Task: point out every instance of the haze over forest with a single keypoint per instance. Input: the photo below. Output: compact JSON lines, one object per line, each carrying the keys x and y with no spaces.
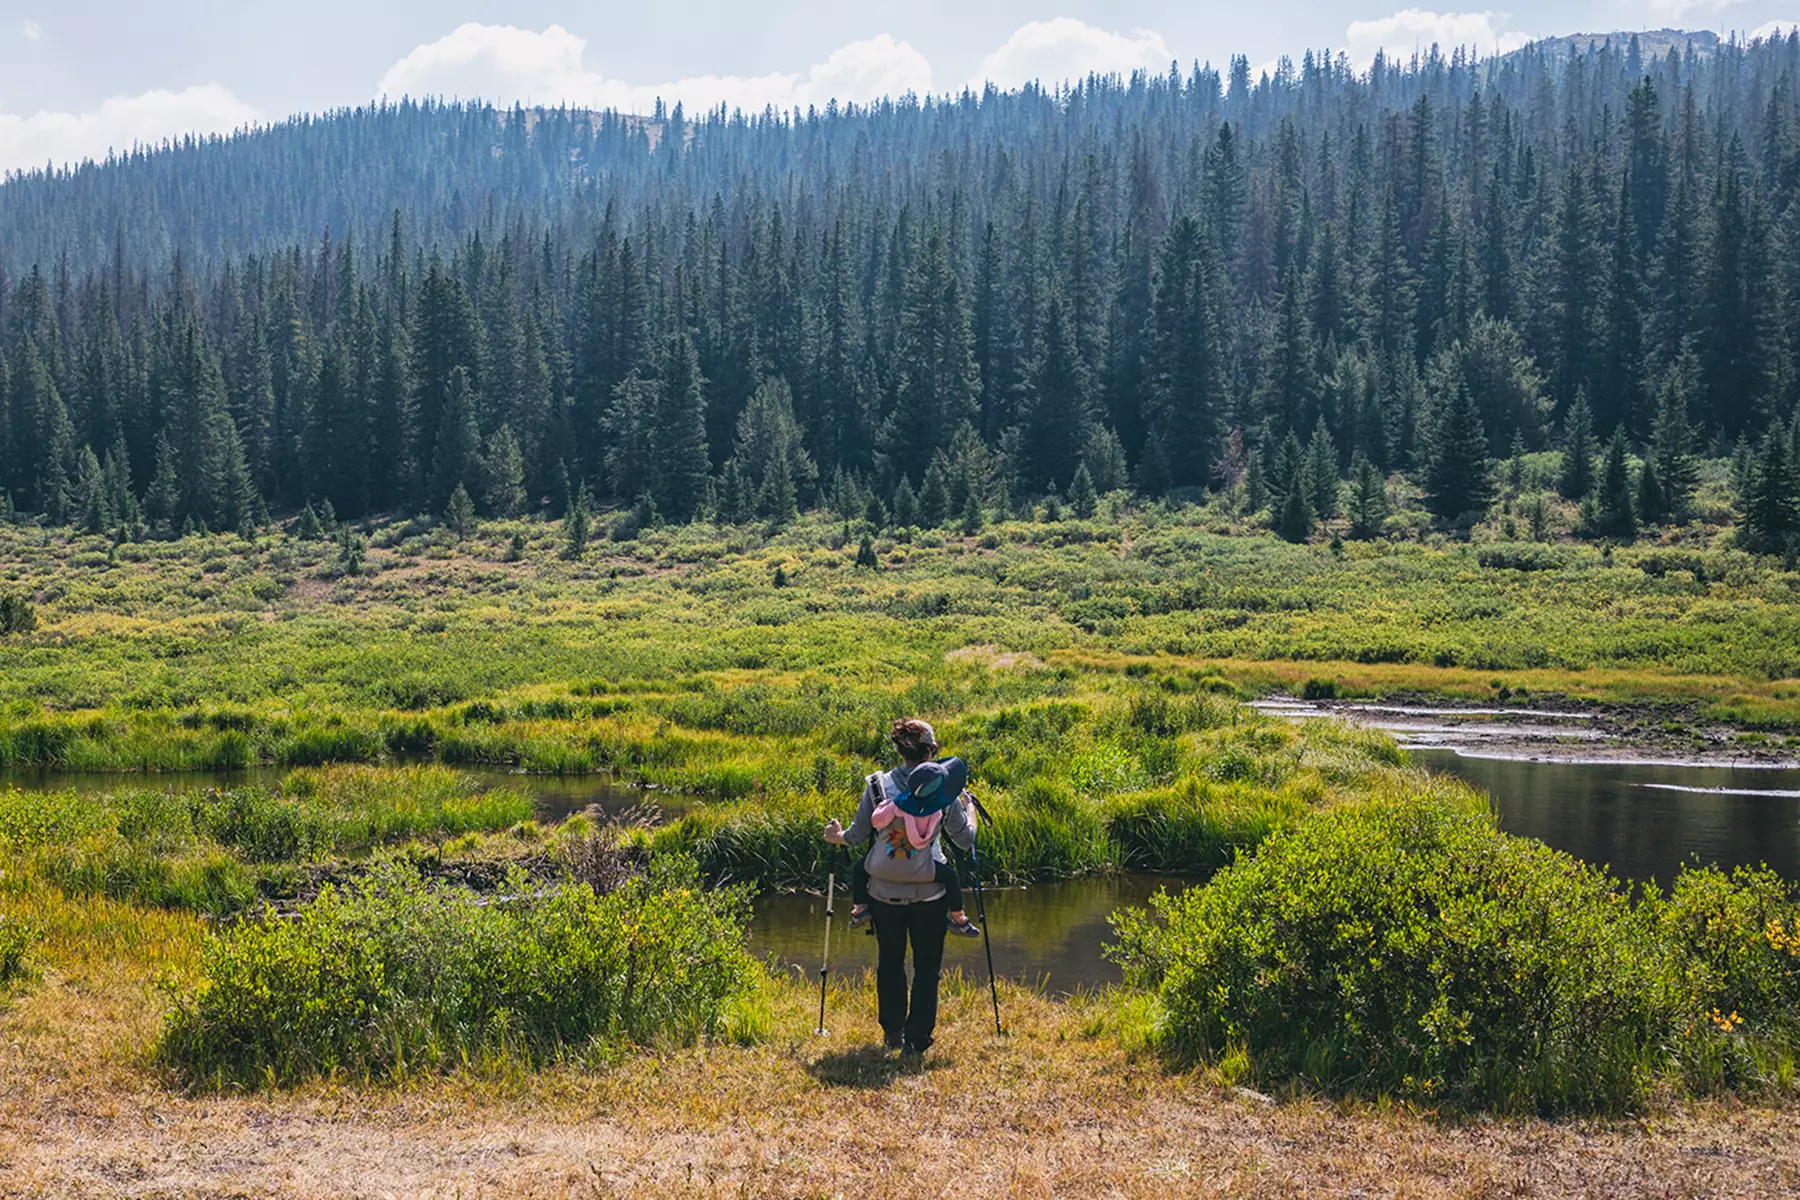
{"x":1166,"y":282}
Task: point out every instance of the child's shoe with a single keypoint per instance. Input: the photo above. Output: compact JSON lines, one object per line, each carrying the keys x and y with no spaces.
{"x":962,"y":926}
{"x":860,"y":916}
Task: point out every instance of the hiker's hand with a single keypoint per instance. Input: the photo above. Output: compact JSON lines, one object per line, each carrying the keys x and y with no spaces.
{"x":834,"y":832}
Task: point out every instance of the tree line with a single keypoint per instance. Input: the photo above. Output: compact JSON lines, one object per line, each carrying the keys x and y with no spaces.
{"x":931,"y":309}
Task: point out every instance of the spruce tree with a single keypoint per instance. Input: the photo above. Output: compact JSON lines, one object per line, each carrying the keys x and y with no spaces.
{"x":906,"y":505}
{"x":865,"y":554}
{"x":576,"y":524}
{"x":459,"y":513}
{"x":971,"y":516}
{"x":1322,"y":473}
{"x":1652,"y":502}
{"x":1456,"y":480}
{"x":1576,"y":479}
{"x":1082,"y":497}
{"x":1153,"y":468}
{"x":1369,"y":502}
{"x":934,"y":497}
{"x":1295,"y":520}
{"x":678,"y":463}
{"x":1614,"y":514}
{"x":503,"y":474}
{"x":1772,"y":500}
{"x":458,"y":454}
{"x":1672,"y":444}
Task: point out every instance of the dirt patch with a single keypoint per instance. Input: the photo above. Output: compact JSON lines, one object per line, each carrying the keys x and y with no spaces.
{"x":994,"y":658}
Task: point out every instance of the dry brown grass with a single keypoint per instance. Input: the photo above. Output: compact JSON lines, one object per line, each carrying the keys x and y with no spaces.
{"x":1059,"y":1106}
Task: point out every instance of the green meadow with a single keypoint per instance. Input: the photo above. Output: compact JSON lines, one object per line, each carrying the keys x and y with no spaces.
{"x":374,"y":912}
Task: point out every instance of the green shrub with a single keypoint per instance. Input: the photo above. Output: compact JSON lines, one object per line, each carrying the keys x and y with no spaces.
{"x":16,"y":941}
{"x":1408,"y":948}
{"x":396,"y":974}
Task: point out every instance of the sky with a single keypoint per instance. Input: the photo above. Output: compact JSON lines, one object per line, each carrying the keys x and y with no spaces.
{"x":78,"y":77}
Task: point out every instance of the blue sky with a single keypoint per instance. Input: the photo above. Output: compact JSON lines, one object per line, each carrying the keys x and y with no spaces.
{"x":78,"y":76}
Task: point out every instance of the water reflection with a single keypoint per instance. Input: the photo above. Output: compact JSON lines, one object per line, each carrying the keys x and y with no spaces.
{"x":1049,"y":935}
{"x":1644,"y":821}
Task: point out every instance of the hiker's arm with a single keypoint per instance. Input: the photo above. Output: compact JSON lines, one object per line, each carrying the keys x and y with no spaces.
{"x":860,"y":828}
{"x":959,"y":825}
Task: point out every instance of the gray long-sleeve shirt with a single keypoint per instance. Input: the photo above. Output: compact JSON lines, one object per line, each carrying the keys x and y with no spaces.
{"x":899,"y":873}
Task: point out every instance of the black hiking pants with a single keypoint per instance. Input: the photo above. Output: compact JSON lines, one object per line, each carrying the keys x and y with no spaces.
{"x":922,"y":924}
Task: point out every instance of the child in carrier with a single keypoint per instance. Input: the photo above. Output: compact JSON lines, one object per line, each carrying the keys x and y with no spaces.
{"x":912,"y":818}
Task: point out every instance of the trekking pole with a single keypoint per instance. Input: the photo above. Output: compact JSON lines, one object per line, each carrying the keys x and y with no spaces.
{"x":981,"y":910}
{"x":825,"y":959}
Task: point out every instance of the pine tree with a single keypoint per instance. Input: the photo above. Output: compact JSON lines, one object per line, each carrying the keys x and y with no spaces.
{"x":1295,"y":521}
{"x":934,"y":497}
{"x":1772,"y":500}
{"x":1322,"y":473}
{"x":735,"y":501}
{"x":1105,"y":459}
{"x":1057,"y":420}
{"x":503,"y":474}
{"x":1082,"y":497}
{"x":1456,"y":481}
{"x":678,"y":463}
{"x":971,"y":516}
{"x":1256,"y":486}
{"x":459,"y":513}
{"x":1652,"y":503}
{"x":1614,"y":515}
{"x":458,"y":454}
{"x":307,"y":528}
{"x":1576,"y":479}
{"x":1672,"y":443}
{"x":1369,"y":502}
{"x":865,"y":554}
{"x":1153,"y":468}
{"x":906,"y":505}
{"x":163,"y":503}
{"x":576,"y":524}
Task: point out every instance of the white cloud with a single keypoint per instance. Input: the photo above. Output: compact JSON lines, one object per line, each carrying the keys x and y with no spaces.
{"x":1066,"y":49}
{"x":1413,"y":29}
{"x":1677,"y":9}
{"x":31,"y":29}
{"x":1773,"y":29}
{"x":118,"y":124}
{"x":503,"y":64}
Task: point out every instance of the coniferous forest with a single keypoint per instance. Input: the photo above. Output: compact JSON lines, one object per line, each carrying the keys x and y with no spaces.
{"x":1292,"y":288}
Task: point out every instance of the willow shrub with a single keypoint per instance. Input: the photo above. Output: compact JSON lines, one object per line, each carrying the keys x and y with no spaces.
{"x":396,"y":974}
{"x":1408,"y":947}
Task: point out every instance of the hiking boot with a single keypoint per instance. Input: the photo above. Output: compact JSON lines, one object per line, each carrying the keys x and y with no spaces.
{"x":861,"y":917}
{"x":894,"y":1041}
{"x":964,"y":928}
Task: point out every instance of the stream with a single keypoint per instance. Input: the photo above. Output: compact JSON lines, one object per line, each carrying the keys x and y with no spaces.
{"x":1642,"y":820}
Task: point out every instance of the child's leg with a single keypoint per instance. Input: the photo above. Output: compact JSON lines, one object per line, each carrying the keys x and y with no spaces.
{"x":952,"y":885}
{"x":859,"y":883}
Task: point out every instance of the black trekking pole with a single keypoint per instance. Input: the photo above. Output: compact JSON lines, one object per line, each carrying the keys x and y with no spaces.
{"x":825,"y":959}
{"x":981,"y":909}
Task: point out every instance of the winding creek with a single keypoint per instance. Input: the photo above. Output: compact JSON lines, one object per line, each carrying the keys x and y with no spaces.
{"x":1644,"y":820}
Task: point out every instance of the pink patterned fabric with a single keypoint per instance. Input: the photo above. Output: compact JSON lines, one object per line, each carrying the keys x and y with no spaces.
{"x":919,"y":830}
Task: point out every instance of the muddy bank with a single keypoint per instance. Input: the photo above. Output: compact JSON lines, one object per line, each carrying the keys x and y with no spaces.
{"x":1551,"y":727}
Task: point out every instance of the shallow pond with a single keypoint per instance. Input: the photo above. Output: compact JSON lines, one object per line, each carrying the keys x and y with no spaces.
{"x":1047,"y":935}
{"x":1642,"y":820}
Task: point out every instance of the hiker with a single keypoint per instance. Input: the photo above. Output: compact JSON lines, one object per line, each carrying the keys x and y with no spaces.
{"x":904,"y":811}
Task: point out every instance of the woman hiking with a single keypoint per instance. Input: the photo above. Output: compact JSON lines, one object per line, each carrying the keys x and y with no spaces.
{"x":905,"y":812}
